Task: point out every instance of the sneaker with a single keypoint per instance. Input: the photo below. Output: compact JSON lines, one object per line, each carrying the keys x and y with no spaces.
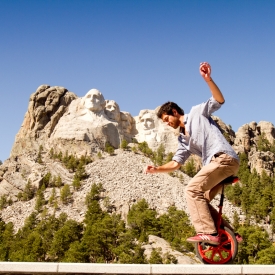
{"x":204,"y":238}
{"x":238,"y":237}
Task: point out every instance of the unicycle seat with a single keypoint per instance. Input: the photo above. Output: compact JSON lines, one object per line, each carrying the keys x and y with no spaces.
{"x":230,"y":180}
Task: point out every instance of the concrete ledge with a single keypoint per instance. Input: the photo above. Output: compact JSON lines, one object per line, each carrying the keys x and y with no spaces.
{"x":196,"y":269}
{"x":258,"y":269}
{"x":22,"y":267}
{"x":105,"y":268}
{"x":82,"y":268}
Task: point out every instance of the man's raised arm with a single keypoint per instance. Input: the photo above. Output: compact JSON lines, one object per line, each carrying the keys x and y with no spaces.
{"x":205,"y":71}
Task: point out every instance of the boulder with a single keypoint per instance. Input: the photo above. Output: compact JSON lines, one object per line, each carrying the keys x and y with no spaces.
{"x":165,"y":249}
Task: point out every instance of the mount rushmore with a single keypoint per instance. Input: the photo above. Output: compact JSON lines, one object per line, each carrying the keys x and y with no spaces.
{"x":57,"y":118}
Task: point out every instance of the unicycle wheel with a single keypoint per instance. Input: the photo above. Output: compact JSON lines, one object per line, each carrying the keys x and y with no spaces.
{"x":224,"y":253}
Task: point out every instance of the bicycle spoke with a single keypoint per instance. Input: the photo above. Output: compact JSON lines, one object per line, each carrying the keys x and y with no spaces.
{"x":227,"y":250}
{"x":221,"y":257}
{"x":226,"y":242}
{"x":209,"y":248}
{"x":213,"y":255}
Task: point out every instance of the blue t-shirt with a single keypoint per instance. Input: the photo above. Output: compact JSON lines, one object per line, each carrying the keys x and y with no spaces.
{"x":204,"y":137}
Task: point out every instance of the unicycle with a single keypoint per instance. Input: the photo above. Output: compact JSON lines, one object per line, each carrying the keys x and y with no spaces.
{"x":226,"y":251}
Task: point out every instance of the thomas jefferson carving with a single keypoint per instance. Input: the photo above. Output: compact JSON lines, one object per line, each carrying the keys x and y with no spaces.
{"x":112,"y":110}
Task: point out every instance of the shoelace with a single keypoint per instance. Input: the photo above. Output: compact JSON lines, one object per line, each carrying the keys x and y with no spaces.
{"x":204,"y":237}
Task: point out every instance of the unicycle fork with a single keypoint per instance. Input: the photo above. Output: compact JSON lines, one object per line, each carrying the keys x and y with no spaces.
{"x":226,"y":251}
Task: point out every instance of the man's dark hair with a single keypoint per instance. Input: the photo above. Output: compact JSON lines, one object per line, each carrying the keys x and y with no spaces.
{"x":167,"y":108}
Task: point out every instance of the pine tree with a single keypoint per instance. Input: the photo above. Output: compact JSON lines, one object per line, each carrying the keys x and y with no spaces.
{"x":29,"y":191}
{"x":134,"y":149}
{"x":6,"y":239}
{"x":39,"y":157}
{"x":155,"y":257}
{"x":266,"y":256}
{"x":70,"y":232}
{"x":99,"y":155}
{"x":3,"y":202}
{"x":58,"y":182}
{"x":169,"y":157}
{"x":255,"y":239}
{"x":236,"y":221}
{"x":71,"y":163}
{"x":77,"y":253}
{"x":65,"y":194}
{"x":175,"y":227}
{"x":142,"y":220}
{"x":46,"y":180}
{"x":189,"y":168}
{"x":76,"y":183}
{"x":109,"y":148}
{"x":124,"y":144}
{"x":159,"y":155}
{"x":169,"y":259}
{"x":40,"y":200}
{"x":51,"y":153}
{"x":94,"y":211}
{"x":52,"y":198}
{"x":263,"y":144}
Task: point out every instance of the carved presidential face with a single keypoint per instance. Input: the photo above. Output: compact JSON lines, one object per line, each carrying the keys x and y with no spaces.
{"x":94,"y":101}
{"x":147,"y":121}
{"x":112,"y":110}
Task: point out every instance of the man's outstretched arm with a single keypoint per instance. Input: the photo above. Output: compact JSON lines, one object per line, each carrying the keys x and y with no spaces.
{"x":166,"y":168}
{"x":205,"y":71}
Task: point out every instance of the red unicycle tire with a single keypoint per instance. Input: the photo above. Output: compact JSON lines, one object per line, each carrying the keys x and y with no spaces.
{"x":224,"y":253}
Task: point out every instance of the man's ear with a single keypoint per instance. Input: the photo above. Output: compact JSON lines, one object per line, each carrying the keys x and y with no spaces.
{"x":175,"y":112}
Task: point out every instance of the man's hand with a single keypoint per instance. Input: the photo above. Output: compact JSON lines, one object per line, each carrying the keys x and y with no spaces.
{"x":149,"y":169}
{"x":165,"y":168}
{"x":205,"y":71}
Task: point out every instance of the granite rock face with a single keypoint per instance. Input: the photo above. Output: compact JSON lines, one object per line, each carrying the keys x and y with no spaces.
{"x":246,"y":141}
{"x":46,"y":106}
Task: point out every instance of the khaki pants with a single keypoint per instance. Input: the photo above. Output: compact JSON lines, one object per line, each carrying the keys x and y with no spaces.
{"x":203,"y":188}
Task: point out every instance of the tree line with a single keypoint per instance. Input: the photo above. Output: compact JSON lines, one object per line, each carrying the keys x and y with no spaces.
{"x":101,"y":238}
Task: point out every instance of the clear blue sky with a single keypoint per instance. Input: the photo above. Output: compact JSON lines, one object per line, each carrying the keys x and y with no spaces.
{"x":138,"y":53}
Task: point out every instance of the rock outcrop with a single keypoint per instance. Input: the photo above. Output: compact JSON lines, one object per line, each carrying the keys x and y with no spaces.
{"x":46,"y":106}
{"x":164,"y":247}
{"x":227,"y":131}
{"x":246,"y":141}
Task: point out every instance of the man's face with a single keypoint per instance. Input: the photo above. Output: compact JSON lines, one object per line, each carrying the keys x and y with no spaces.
{"x":170,"y":120}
